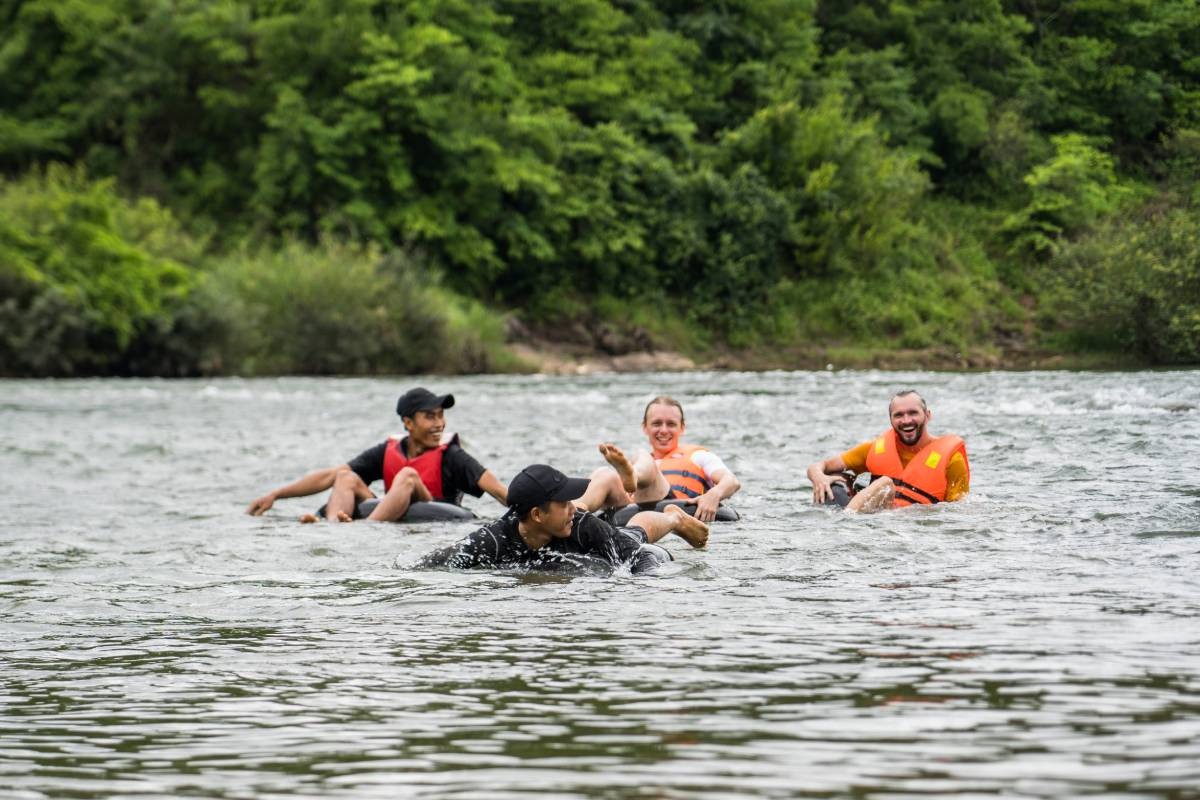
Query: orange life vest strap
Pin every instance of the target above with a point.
(686, 477)
(923, 480)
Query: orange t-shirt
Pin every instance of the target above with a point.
(958, 482)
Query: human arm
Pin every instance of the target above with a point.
(821, 474)
(313, 482)
(492, 485)
(461, 472)
(958, 478)
(723, 484)
(484, 547)
(707, 503)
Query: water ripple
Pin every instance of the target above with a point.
(1035, 641)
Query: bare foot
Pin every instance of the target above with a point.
(617, 460)
(693, 531)
(344, 517)
(308, 519)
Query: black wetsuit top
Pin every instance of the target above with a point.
(499, 545)
(460, 471)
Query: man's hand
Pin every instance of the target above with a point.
(822, 488)
(822, 474)
(706, 506)
(260, 505)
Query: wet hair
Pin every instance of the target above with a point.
(906, 393)
(662, 400)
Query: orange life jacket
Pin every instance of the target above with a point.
(428, 465)
(686, 477)
(924, 479)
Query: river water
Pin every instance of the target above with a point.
(1038, 640)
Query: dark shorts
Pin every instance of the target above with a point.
(635, 532)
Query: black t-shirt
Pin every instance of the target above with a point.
(499, 545)
(460, 472)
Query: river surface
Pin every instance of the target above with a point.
(1039, 640)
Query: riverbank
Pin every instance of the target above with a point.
(574, 354)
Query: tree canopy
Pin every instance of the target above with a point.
(758, 172)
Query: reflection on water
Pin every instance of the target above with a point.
(1038, 640)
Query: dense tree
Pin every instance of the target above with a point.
(565, 157)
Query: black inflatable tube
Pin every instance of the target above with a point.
(621, 516)
(841, 495)
(417, 512)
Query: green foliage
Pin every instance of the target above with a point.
(339, 309)
(851, 198)
(90, 283)
(1069, 192)
(1131, 287)
(943, 292)
(741, 166)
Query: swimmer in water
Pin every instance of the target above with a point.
(909, 465)
(671, 469)
(545, 523)
(418, 467)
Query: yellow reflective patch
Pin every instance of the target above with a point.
(933, 460)
(880, 445)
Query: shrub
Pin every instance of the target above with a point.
(90, 282)
(337, 308)
(1131, 287)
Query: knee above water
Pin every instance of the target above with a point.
(346, 477)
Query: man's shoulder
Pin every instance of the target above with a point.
(586, 524)
(454, 448)
(503, 526)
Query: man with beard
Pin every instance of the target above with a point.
(908, 464)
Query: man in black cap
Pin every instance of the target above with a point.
(419, 466)
(544, 527)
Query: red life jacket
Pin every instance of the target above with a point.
(923, 481)
(686, 477)
(428, 465)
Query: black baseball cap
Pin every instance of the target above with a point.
(540, 483)
(421, 399)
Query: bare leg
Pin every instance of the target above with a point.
(651, 485)
(617, 460)
(876, 497)
(605, 490)
(658, 524)
(348, 491)
(406, 487)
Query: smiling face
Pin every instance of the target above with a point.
(663, 426)
(909, 417)
(425, 429)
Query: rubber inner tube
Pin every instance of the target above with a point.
(417, 512)
(841, 495)
(621, 516)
